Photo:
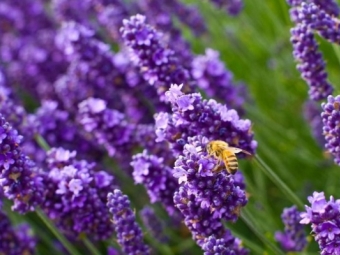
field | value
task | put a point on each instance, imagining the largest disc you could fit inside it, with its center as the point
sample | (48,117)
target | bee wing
(237,150)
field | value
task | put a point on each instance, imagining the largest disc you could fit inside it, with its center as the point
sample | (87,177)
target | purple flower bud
(76,196)
(224,246)
(294,236)
(129,234)
(324,216)
(331,131)
(109,127)
(20,179)
(215,80)
(14,241)
(320,21)
(157,179)
(156,61)
(329,6)
(311,64)
(194,116)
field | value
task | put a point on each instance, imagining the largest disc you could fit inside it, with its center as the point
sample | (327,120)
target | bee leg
(218,167)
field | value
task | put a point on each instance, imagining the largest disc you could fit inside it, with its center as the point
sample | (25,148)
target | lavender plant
(102,98)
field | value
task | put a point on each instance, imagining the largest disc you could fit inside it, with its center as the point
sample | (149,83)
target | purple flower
(109,127)
(20,179)
(157,179)
(18,240)
(153,224)
(311,64)
(57,128)
(320,21)
(110,15)
(223,246)
(331,131)
(294,236)
(129,234)
(157,62)
(76,10)
(76,195)
(194,116)
(329,6)
(324,216)
(215,80)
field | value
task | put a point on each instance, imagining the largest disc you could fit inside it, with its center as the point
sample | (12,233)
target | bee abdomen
(232,164)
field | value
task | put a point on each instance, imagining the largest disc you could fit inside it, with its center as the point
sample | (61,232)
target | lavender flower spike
(329,6)
(324,217)
(331,131)
(20,179)
(129,234)
(156,61)
(157,179)
(320,21)
(192,116)
(311,64)
(294,237)
(76,195)
(15,241)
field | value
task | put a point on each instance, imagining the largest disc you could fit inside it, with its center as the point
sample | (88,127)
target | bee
(223,152)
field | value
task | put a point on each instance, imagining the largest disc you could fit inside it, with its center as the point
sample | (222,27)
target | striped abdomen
(230,161)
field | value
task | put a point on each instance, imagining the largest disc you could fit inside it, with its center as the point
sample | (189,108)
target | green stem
(90,246)
(280,184)
(42,142)
(336,49)
(62,239)
(250,223)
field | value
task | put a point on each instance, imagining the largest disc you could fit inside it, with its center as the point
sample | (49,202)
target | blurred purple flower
(129,234)
(20,179)
(294,237)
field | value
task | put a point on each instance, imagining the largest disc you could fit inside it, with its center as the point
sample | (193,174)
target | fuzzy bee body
(223,152)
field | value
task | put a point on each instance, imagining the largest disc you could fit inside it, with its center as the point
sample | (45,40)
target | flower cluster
(192,115)
(157,179)
(216,81)
(331,131)
(294,236)
(223,246)
(129,234)
(311,63)
(205,197)
(319,20)
(15,241)
(311,17)
(324,216)
(76,195)
(157,62)
(20,179)
(55,125)
(108,126)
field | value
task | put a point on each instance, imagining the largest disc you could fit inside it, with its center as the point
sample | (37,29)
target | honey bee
(223,152)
